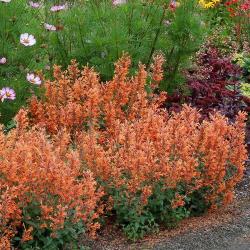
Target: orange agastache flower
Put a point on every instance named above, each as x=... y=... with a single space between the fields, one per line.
x=137 y=137
x=113 y=132
x=157 y=68
x=27 y=234
x=178 y=201
x=36 y=168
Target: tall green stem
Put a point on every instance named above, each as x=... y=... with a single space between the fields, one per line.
x=156 y=37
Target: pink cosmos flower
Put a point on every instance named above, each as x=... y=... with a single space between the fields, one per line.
x=50 y=27
x=27 y=40
x=7 y=93
x=3 y=60
x=34 y=5
x=119 y=2
x=57 y=8
x=34 y=79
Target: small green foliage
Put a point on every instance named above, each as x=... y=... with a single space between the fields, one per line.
x=65 y=238
x=134 y=218
x=196 y=202
x=160 y=205
x=231 y=170
x=137 y=219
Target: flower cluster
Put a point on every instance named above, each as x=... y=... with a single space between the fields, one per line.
x=29 y=40
x=208 y=3
x=54 y=8
x=47 y=175
x=121 y=131
x=84 y=146
x=238 y=8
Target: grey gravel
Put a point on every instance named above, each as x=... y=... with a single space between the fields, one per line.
x=232 y=236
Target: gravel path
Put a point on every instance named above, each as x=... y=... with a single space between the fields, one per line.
x=232 y=235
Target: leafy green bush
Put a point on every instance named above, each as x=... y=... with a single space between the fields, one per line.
x=161 y=208
x=135 y=220
x=103 y=32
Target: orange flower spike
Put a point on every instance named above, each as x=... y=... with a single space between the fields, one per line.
x=57 y=73
x=157 y=69
x=5 y=242
x=73 y=70
x=122 y=68
x=178 y=201
x=22 y=120
x=27 y=234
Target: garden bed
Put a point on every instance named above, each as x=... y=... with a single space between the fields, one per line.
x=124 y=124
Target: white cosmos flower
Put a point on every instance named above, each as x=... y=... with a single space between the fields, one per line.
x=27 y=40
x=32 y=78
x=5 y=1
x=49 y=27
x=118 y=2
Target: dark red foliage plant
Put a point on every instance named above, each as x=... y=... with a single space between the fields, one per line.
x=213 y=84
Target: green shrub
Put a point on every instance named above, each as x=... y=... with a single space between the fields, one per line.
x=137 y=220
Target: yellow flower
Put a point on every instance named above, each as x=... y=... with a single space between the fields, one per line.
x=245 y=89
x=208 y=3
x=239 y=59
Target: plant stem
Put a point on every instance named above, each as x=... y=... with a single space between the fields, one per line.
x=156 y=37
